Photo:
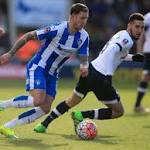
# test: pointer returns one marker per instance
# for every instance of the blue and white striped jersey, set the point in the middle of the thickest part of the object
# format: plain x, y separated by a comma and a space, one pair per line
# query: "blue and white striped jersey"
58, 45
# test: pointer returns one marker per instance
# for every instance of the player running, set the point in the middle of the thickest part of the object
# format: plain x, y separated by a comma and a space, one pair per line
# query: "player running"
60, 41
99, 79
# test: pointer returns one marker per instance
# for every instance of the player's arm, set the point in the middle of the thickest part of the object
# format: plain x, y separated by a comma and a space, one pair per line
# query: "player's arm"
5, 58
84, 65
22, 41
83, 56
136, 57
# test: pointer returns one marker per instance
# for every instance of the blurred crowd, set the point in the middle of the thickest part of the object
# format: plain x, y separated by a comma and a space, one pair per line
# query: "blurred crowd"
106, 18
4, 40
109, 16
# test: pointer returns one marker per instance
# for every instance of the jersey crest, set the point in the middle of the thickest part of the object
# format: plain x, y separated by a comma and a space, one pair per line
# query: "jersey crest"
125, 41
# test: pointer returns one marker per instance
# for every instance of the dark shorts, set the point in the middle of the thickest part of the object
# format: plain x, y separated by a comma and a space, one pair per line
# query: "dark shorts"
147, 61
99, 84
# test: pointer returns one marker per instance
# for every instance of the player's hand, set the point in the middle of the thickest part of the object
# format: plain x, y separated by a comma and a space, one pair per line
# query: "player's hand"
138, 57
5, 58
84, 72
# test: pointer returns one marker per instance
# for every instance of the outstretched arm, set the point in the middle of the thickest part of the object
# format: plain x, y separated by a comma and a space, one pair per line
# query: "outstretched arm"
22, 41
5, 58
136, 57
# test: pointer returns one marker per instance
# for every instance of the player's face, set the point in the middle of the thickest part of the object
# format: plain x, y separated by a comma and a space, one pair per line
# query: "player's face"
80, 20
136, 28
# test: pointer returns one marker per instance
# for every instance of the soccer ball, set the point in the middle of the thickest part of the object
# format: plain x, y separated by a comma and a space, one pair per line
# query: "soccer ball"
86, 130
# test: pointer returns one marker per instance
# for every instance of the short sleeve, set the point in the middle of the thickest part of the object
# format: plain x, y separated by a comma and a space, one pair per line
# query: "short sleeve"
47, 33
123, 42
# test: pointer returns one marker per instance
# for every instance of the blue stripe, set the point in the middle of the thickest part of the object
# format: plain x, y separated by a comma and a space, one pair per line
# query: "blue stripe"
48, 35
76, 40
20, 98
64, 37
37, 57
51, 60
60, 64
26, 114
84, 48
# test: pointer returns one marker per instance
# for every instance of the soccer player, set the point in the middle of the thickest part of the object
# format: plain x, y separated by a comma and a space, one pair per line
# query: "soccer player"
60, 41
143, 85
99, 79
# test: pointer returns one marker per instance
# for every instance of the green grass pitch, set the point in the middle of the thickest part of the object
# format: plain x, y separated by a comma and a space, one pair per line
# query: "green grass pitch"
130, 132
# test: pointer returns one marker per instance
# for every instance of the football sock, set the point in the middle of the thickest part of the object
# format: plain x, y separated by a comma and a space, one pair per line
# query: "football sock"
18, 102
26, 117
55, 113
100, 114
141, 92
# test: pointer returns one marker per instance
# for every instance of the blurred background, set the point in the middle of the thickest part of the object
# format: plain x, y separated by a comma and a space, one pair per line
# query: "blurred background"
20, 16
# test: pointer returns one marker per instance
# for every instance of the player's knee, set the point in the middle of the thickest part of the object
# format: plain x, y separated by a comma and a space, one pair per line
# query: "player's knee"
73, 101
120, 112
46, 106
39, 102
116, 113
46, 110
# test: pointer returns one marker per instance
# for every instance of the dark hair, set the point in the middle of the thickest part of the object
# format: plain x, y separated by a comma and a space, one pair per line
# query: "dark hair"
77, 8
136, 16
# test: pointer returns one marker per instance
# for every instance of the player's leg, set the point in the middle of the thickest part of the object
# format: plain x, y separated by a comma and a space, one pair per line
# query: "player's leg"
34, 80
104, 90
143, 85
59, 110
43, 95
21, 101
112, 111
141, 91
79, 93
40, 99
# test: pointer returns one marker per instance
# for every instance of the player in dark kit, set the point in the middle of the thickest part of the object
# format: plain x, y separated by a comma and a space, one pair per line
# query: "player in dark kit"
99, 79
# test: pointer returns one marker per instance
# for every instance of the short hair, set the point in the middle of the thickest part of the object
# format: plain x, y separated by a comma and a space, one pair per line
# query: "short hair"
77, 8
136, 16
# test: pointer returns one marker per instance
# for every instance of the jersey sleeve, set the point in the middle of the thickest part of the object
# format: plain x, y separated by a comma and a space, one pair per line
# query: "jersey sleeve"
47, 33
123, 42
84, 48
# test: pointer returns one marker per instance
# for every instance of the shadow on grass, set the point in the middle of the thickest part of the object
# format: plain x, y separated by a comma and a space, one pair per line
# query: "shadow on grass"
135, 115
103, 139
146, 126
31, 143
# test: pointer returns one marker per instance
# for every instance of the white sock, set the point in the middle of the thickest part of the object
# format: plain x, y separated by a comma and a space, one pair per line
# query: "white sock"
18, 102
26, 117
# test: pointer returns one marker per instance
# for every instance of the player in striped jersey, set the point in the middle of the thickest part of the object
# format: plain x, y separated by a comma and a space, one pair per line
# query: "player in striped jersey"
59, 42
99, 79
